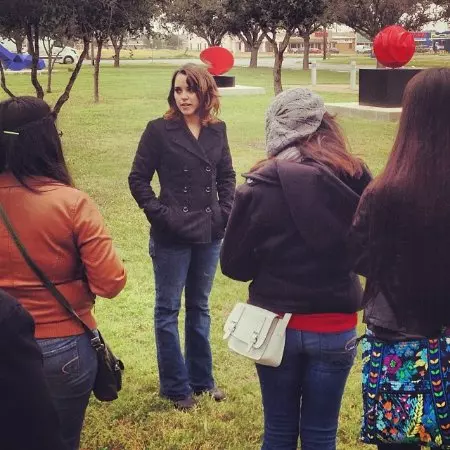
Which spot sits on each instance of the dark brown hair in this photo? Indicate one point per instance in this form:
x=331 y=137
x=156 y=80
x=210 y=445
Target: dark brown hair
x=328 y=146
x=203 y=84
x=36 y=150
x=409 y=202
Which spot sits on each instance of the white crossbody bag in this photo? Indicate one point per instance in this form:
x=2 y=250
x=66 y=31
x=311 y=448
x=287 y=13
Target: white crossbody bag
x=256 y=333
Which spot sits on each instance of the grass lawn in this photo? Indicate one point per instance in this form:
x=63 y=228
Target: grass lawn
x=100 y=142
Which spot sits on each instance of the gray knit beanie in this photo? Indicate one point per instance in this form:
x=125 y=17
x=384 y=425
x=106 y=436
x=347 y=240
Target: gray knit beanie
x=293 y=114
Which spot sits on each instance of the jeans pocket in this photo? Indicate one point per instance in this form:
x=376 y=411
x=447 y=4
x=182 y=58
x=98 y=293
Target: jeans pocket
x=336 y=350
x=61 y=357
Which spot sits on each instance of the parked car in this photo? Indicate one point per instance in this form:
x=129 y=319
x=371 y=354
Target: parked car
x=363 y=48
x=62 y=54
x=314 y=51
x=333 y=51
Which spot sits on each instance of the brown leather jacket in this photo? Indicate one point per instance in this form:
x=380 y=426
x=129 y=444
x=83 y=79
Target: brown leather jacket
x=64 y=233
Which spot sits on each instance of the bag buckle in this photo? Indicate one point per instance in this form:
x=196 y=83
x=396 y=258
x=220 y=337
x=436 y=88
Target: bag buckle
x=97 y=343
x=253 y=340
x=230 y=330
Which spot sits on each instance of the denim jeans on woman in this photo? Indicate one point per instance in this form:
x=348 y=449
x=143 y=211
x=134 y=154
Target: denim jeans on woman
x=191 y=267
x=70 y=367
x=302 y=396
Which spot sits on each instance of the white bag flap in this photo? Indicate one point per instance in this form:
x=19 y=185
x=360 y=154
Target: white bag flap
x=249 y=324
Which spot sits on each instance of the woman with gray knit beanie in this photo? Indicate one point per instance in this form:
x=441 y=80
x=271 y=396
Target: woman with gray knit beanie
x=287 y=234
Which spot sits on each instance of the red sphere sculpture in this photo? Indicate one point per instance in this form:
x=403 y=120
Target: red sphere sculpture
x=394 y=46
x=219 y=59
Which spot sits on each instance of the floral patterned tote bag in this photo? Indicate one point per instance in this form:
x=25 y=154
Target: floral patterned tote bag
x=405 y=388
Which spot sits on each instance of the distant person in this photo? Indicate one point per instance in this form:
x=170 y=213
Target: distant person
x=287 y=235
x=64 y=233
x=28 y=419
x=401 y=245
x=435 y=49
x=188 y=149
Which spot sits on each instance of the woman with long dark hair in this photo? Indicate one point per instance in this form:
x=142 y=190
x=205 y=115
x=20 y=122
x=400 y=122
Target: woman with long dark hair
x=188 y=149
x=401 y=242
x=287 y=235
x=64 y=233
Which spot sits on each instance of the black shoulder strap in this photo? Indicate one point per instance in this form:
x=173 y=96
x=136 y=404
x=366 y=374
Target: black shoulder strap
x=47 y=283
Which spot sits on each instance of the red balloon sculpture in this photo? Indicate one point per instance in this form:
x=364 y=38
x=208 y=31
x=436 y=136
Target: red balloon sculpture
x=219 y=60
x=394 y=46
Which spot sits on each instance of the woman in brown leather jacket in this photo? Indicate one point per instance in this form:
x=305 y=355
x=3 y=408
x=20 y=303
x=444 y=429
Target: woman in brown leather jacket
x=64 y=233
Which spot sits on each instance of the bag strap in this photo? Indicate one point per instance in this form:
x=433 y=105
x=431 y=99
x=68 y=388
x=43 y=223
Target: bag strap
x=95 y=341
x=283 y=323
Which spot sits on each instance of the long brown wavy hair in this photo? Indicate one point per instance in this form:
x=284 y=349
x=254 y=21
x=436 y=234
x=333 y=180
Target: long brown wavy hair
x=409 y=202
x=203 y=84
x=328 y=145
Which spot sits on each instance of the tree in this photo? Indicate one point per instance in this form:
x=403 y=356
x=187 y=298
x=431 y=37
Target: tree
x=204 y=18
x=105 y=18
x=369 y=17
x=242 y=16
x=131 y=18
x=289 y=16
x=32 y=18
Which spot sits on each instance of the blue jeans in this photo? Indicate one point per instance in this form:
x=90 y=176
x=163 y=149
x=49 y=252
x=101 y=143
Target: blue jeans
x=191 y=267
x=70 y=367
x=302 y=396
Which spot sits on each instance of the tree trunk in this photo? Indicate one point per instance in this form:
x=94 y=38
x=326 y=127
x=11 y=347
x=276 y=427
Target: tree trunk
x=97 y=69
x=254 y=57
x=117 y=44
x=277 y=86
x=325 y=43
x=50 y=70
x=306 y=45
x=33 y=45
x=66 y=94
x=92 y=51
x=3 y=81
x=18 y=40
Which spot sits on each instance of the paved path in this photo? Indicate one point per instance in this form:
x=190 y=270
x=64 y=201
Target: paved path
x=288 y=63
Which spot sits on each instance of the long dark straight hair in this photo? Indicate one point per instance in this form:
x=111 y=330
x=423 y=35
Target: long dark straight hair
x=409 y=202
x=29 y=141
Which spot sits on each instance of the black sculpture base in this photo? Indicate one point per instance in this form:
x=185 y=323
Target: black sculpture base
x=383 y=87
x=225 y=81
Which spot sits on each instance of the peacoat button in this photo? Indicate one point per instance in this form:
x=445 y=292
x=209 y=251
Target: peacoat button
x=208 y=189
x=208 y=169
x=185 y=209
x=185 y=169
x=208 y=209
x=185 y=189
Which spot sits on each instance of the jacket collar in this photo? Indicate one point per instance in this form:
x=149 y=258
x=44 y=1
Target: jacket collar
x=180 y=134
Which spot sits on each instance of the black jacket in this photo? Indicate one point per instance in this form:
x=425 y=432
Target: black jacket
x=381 y=298
x=196 y=177
x=28 y=420
x=287 y=233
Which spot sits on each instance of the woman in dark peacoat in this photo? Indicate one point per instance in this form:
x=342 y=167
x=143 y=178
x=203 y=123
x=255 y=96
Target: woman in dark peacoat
x=188 y=148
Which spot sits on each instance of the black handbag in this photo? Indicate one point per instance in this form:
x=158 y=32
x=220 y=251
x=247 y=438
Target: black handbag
x=108 y=381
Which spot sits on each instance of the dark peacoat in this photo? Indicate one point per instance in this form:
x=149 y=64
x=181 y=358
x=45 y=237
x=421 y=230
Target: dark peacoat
x=287 y=234
x=196 y=177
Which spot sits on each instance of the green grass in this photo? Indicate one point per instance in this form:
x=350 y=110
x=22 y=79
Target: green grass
x=100 y=141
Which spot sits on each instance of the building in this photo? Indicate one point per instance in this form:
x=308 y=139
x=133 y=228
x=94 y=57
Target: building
x=337 y=41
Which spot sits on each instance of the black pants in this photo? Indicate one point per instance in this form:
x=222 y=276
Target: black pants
x=398 y=447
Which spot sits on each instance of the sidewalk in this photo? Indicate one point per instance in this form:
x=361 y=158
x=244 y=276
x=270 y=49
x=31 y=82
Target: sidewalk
x=341 y=88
